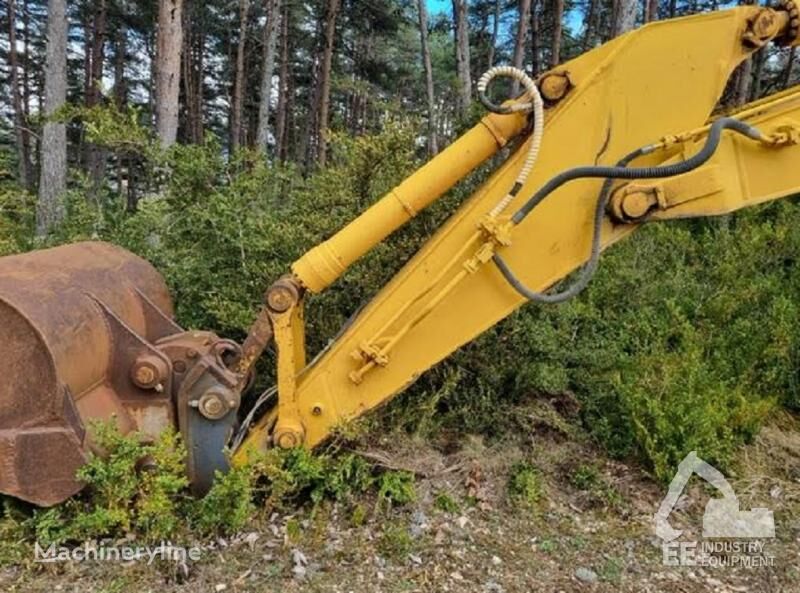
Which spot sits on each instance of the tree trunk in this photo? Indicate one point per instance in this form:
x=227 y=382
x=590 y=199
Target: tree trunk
x=650 y=11
x=26 y=91
x=744 y=74
x=289 y=135
x=787 y=72
x=281 y=131
x=305 y=147
x=535 y=47
x=96 y=155
x=20 y=125
x=193 y=72
x=325 y=81
x=237 y=104
x=124 y=160
x=88 y=35
x=199 y=62
x=97 y=53
x=558 y=16
x=591 y=26
x=433 y=145
x=273 y=10
x=624 y=16
x=744 y=83
x=187 y=74
x=168 y=66
x=53 y=181
x=495 y=33
x=26 y=75
x=523 y=22
x=120 y=58
x=460 y=11
x=759 y=59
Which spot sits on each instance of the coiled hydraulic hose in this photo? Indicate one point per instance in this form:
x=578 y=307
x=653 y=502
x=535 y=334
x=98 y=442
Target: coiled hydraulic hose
x=535 y=104
x=620 y=171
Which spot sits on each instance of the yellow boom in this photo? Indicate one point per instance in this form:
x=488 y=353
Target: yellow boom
x=656 y=87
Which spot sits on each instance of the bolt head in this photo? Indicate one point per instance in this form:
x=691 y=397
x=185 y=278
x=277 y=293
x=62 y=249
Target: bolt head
x=554 y=87
x=281 y=296
x=212 y=405
x=287 y=440
x=279 y=299
x=149 y=371
x=144 y=375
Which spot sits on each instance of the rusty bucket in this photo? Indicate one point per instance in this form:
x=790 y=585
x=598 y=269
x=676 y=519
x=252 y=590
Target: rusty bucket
x=69 y=318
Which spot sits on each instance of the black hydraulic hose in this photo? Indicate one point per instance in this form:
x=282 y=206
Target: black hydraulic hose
x=589 y=269
x=620 y=171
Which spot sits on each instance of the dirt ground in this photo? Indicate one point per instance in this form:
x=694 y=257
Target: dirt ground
x=590 y=531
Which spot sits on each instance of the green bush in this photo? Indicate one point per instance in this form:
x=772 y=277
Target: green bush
x=525 y=484
x=140 y=488
x=298 y=475
x=120 y=495
x=228 y=506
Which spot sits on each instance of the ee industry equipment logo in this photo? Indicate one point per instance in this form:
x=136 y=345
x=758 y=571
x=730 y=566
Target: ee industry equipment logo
x=731 y=536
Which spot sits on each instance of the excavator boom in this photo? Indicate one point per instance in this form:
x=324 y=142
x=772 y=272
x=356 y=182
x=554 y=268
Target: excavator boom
x=657 y=86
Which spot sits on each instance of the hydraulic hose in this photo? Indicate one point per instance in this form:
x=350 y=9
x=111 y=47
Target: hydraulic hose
x=620 y=171
x=535 y=104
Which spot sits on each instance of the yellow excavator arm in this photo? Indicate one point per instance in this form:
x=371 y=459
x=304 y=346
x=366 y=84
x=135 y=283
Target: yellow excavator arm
x=649 y=95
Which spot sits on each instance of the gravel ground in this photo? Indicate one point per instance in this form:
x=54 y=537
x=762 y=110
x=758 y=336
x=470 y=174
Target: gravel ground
x=463 y=534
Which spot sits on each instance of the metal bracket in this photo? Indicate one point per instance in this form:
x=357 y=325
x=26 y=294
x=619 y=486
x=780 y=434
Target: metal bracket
x=634 y=202
x=285 y=309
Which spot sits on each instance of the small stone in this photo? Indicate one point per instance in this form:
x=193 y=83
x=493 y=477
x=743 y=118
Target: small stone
x=419 y=524
x=462 y=521
x=251 y=538
x=586 y=575
x=299 y=571
x=299 y=558
x=496 y=561
x=220 y=587
x=415 y=559
x=456 y=576
x=300 y=561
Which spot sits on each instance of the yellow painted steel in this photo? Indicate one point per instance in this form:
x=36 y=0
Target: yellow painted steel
x=741 y=173
x=662 y=79
x=321 y=266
